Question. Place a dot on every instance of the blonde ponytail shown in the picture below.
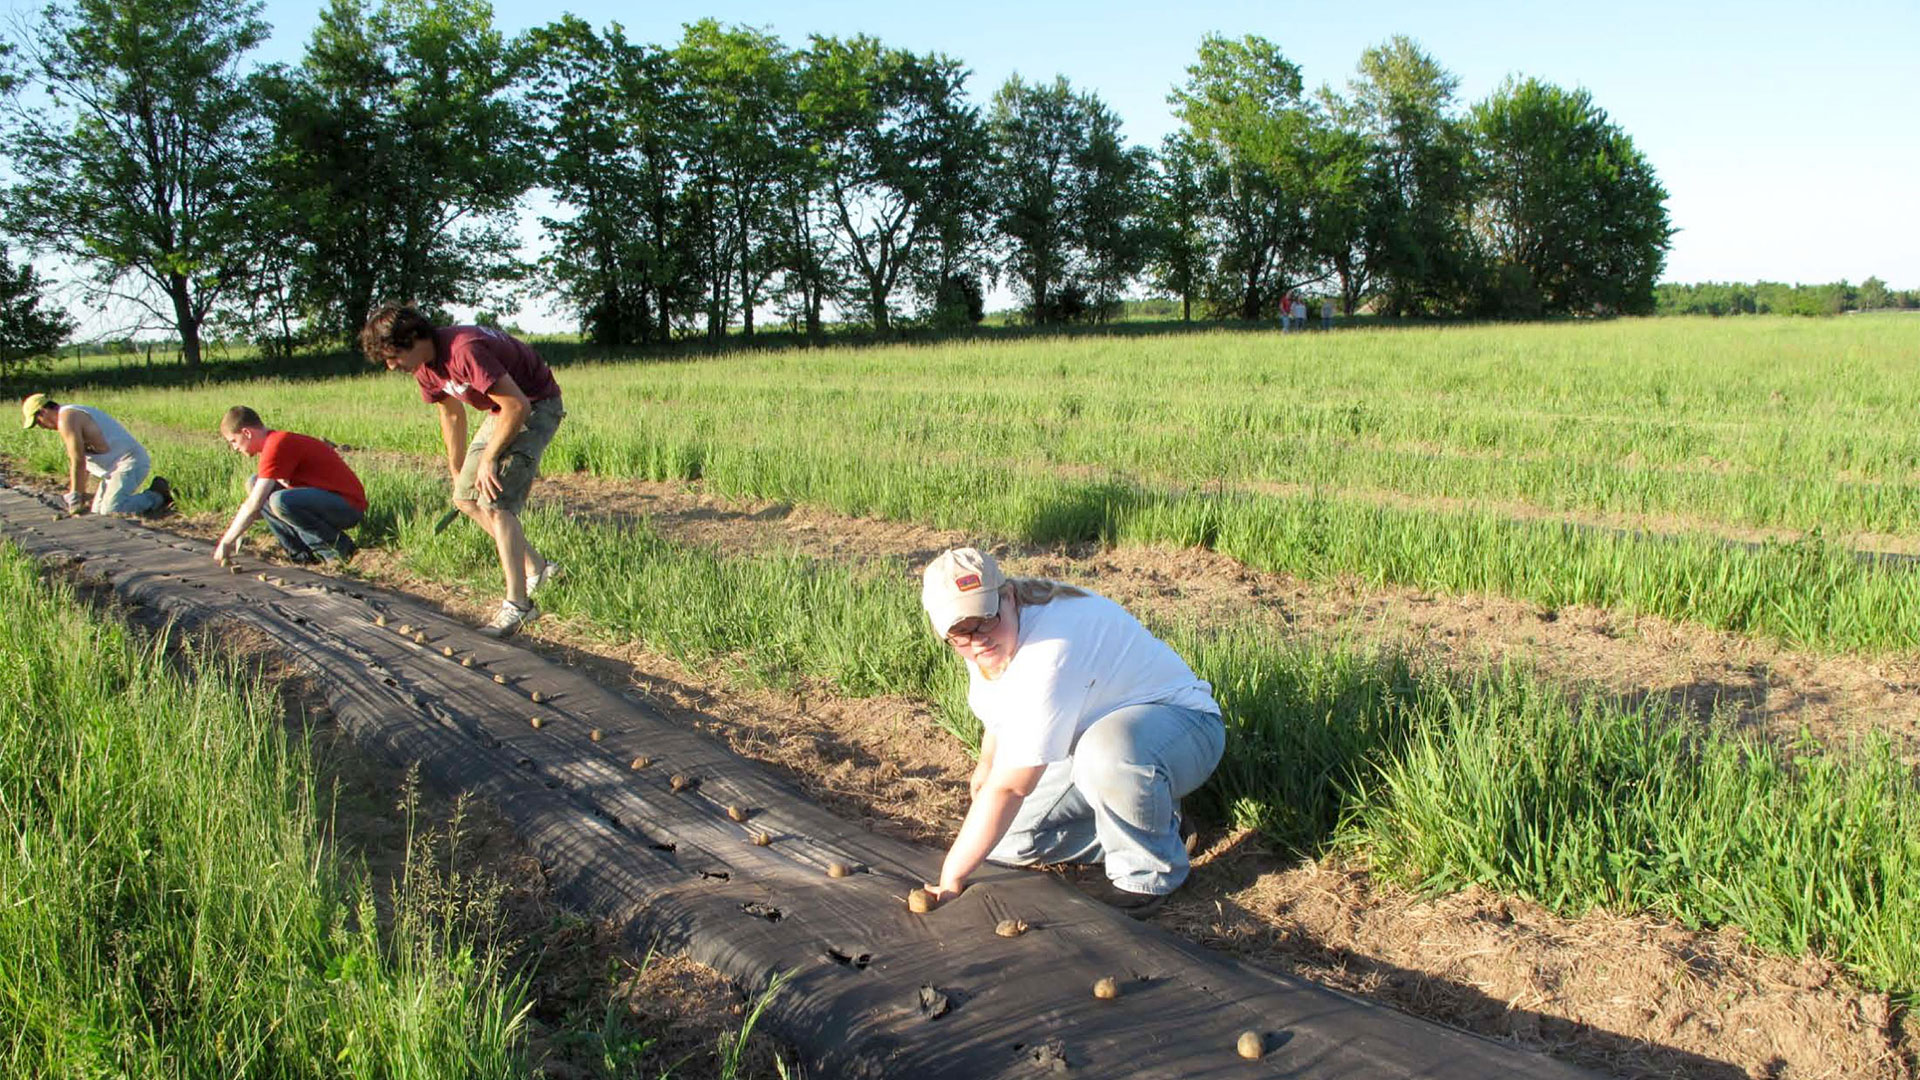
(1031, 590)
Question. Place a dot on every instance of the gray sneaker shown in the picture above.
(510, 618)
(545, 575)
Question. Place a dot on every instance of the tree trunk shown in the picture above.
(185, 319)
(1250, 300)
(746, 285)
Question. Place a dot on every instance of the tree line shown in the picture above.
(710, 184)
(1775, 298)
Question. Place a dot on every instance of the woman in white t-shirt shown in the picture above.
(1094, 730)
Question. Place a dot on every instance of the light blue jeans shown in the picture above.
(119, 491)
(1116, 799)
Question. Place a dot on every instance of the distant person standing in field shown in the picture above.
(308, 495)
(1286, 312)
(1299, 313)
(1326, 313)
(1094, 731)
(98, 446)
(502, 376)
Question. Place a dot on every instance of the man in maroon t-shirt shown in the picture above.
(503, 377)
(309, 496)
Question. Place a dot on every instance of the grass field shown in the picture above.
(1523, 461)
(1468, 459)
(1440, 778)
(171, 910)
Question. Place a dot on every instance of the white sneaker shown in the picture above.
(547, 572)
(510, 618)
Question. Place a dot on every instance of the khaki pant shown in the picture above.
(519, 462)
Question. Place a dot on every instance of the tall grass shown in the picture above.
(1510, 784)
(1753, 423)
(166, 909)
(1495, 776)
(1465, 459)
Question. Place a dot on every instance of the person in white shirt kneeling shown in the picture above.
(1094, 730)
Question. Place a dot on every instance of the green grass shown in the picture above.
(1492, 776)
(1459, 459)
(169, 910)
(1509, 783)
(1277, 452)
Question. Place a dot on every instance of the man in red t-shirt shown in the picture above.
(500, 375)
(307, 494)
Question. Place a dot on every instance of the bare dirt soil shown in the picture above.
(1629, 996)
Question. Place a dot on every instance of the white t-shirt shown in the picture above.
(1078, 659)
(120, 444)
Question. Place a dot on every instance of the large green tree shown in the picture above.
(1568, 209)
(740, 85)
(134, 157)
(1071, 197)
(1180, 251)
(399, 159)
(897, 153)
(605, 110)
(27, 330)
(1338, 202)
(1417, 249)
(1250, 132)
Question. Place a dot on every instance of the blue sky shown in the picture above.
(1783, 133)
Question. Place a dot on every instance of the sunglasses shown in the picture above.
(970, 630)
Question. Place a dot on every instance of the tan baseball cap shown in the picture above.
(31, 408)
(960, 584)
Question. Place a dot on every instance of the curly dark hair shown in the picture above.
(392, 327)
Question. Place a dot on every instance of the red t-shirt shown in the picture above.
(300, 461)
(468, 360)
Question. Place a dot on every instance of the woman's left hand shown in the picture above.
(943, 892)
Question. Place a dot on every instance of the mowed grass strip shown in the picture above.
(1286, 453)
(1493, 776)
(167, 907)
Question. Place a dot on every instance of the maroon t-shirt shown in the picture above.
(468, 360)
(301, 461)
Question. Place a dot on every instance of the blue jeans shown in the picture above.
(309, 522)
(119, 491)
(1116, 799)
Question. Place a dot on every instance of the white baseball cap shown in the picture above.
(961, 584)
